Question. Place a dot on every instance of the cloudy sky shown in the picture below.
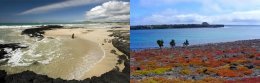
(235, 12)
(27, 11)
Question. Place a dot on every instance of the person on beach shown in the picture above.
(72, 36)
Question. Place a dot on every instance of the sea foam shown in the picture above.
(34, 53)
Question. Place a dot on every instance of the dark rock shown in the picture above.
(38, 32)
(233, 67)
(13, 46)
(123, 47)
(205, 71)
(193, 77)
(234, 64)
(113, 76)
(58, 80)
(138, 68)
(2, 76)
(120, 41)
(42, 79)
(24, 77)
(2, 53)
(250, 66)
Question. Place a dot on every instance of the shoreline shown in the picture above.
(195, 45)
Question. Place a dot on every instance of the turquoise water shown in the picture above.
(147, 38)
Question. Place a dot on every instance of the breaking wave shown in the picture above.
(37, 52)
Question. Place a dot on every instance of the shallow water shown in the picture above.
(61, 57)
(148, 38)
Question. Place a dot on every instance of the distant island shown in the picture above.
(176, 26)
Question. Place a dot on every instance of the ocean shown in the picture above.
(69, 25)
(141, 39)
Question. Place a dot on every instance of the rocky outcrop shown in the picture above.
(2, 53)
(122, 46)
(38, 32)
(121, 41)
(13, 46)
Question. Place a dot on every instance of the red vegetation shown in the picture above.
(209, 60)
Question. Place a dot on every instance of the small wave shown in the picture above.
(18, 26)
(16, 58)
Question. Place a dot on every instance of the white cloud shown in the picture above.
(245, 17)
(207, 5)
(231, 3)
(115, 11)
(65, 4)
(213, 11)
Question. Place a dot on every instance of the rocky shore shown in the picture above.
(121, 41)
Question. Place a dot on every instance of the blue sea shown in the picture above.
(141, 39)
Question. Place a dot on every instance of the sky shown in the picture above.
(229, 12)
(59, 11)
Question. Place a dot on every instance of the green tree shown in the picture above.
(186, 43)
(160, 43)
(172, 43)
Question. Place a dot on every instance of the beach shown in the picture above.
(108, 61)
(89, 54)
